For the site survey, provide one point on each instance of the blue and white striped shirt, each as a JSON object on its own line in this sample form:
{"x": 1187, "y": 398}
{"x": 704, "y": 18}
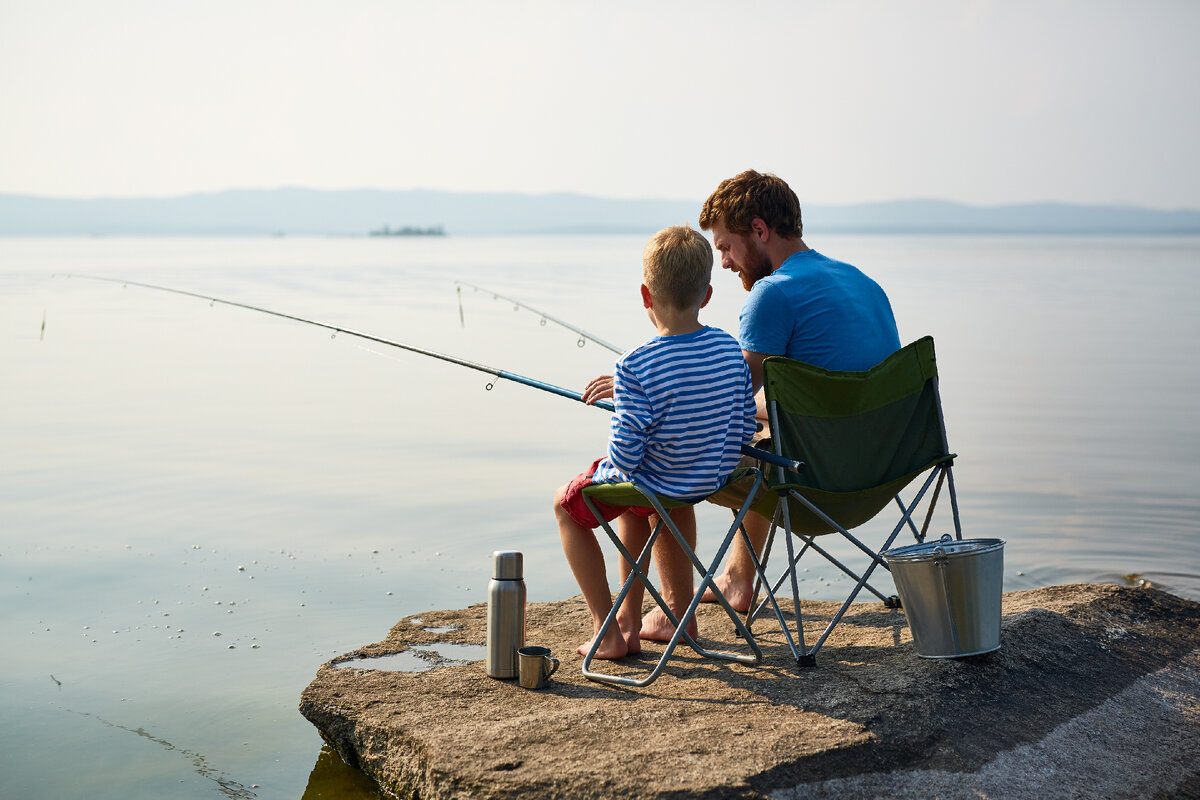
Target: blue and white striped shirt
{"x": 684, "y": 408}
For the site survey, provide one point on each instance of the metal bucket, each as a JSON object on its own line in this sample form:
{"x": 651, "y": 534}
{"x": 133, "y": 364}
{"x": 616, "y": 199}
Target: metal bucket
{"x": 950, "y": 591}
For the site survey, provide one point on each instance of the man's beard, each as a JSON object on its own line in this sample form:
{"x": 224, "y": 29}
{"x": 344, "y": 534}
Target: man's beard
{"x": 757, "y": 266}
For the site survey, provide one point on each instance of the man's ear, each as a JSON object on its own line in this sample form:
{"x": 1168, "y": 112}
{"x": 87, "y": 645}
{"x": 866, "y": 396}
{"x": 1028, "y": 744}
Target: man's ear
{"x": 646, "y": 295}
{"x": 760, "y": 229}
{"x": 707, "y": 296}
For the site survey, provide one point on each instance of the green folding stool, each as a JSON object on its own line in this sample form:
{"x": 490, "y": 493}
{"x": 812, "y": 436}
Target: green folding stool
{"x": 630, "y": 494}
{"x": 862, "y": 437}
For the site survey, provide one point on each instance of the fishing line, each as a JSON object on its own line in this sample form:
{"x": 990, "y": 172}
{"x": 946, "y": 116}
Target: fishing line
{"x": 584, "y": 336}
{"x": 499, "y": 374}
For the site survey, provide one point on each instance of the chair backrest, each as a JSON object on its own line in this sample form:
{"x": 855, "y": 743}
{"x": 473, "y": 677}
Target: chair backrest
{"x": 856, "y": 431}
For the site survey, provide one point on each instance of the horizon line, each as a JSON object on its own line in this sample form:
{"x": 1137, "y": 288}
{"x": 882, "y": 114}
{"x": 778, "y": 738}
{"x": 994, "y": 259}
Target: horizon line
{"x": 580, "y": 194}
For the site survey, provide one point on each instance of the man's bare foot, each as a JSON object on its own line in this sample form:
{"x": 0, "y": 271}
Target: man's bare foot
{"x": 739, "y": 593}
{"x": 611, "y": 648}
{"x": 657, "y": 628}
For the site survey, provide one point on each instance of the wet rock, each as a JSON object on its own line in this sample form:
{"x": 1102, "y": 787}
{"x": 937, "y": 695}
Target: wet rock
{"x": 1092, "y": 694}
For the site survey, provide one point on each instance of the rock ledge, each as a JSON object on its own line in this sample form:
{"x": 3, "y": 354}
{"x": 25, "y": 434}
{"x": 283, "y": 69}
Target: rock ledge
{"x": 1092, "y": 694}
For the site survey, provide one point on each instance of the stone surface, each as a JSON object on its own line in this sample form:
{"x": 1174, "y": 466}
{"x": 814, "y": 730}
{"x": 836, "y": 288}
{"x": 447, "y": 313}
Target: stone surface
{"x": 1092, "y": 694}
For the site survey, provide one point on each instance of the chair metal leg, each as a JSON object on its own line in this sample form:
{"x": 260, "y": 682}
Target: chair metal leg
{"x": 807, "y": 657}
{"x": 941, "y": 470}
{"x": 953, "y": 501}
{"x": 796, "y": 645}
{"x": 761, "y": 580}
{"x": 874, "y": 563}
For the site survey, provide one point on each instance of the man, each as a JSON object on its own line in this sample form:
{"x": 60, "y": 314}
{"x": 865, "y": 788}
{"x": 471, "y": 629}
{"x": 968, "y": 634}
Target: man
{"x": 802, "y": 305}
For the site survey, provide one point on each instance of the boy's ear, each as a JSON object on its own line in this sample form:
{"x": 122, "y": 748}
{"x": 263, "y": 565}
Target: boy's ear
{"x": 646, "y": 295}
{"x": 707, "y": 296}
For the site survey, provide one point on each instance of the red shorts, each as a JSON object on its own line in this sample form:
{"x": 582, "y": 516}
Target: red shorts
{"x": 572, "y": 502}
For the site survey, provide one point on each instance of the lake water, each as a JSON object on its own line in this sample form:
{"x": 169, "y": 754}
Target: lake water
{"x": 200, "y": 504}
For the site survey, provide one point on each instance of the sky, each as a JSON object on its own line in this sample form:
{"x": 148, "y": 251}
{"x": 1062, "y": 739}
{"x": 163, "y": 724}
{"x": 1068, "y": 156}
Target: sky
{"x": 980, "y": 102}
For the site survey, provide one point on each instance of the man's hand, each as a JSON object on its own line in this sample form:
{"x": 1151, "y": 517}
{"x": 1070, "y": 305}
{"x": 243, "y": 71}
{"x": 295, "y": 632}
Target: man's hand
{"x": 600, "y": 388}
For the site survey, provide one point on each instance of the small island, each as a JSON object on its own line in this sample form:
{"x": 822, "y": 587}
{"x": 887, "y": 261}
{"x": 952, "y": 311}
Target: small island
{"x": 409, "y": 230}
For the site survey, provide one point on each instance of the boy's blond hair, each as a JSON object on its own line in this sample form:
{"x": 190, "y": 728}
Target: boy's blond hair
{"x": 677, "y": 266}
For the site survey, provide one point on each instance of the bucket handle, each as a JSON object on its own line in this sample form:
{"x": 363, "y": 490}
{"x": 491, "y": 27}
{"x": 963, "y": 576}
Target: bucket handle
{"x": 941, "y": 561}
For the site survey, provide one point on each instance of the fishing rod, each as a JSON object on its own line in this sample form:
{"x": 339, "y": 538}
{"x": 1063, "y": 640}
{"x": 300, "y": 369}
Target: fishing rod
{"x": 747, "y": 449}
{"x": 584, "y": 336}
{"x": 499, "y": 374}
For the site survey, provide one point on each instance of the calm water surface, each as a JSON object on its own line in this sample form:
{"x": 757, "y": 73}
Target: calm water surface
{"x": 199, "y": 505}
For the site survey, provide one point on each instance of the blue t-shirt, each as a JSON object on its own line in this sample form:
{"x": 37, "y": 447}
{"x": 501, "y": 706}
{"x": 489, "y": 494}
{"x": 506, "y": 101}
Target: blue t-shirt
{"x": 684, "y": 408}
{"x": 819, "y": 311}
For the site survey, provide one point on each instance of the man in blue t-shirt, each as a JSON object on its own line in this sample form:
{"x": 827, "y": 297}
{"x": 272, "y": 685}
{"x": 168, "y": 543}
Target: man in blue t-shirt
{"x": 802, "y": 305}
{"x": 819, "y": 311}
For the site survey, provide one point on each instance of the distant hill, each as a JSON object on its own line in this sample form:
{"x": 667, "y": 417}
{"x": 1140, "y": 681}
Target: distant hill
{"x": 255, "y": 212}
{"x": 940, "y": 216}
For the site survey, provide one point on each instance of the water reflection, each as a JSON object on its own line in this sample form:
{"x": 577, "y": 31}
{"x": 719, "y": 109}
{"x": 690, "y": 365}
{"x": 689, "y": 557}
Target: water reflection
{"x": 333, "y": 779}
{"x": 226, "y": 786}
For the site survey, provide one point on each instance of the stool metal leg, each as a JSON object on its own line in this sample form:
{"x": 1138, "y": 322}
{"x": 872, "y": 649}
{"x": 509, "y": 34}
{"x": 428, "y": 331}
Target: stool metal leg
{"x": 638, "y": 571}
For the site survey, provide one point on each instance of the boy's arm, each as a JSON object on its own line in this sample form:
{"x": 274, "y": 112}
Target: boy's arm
{"x": 627, "y": 437}
{"x": 750, "y": 406}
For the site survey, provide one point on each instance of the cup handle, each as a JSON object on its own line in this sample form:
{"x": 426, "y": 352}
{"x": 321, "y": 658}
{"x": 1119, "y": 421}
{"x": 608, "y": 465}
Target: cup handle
{"x": 552, "y": 669}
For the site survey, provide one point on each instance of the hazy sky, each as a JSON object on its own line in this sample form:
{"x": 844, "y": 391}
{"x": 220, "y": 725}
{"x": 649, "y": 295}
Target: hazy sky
{"x": 977, "y": 101}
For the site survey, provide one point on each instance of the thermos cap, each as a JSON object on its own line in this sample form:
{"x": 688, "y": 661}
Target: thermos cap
{"x": 506, "y": 565}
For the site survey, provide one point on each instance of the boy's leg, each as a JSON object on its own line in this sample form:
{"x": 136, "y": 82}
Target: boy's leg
{"x": 634, "y": 532}
{"x": 587, "y": 565}
{"x": 676, "y": 573}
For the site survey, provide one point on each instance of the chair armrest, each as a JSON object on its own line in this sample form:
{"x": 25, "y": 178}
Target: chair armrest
{"x": 772, "y": 458}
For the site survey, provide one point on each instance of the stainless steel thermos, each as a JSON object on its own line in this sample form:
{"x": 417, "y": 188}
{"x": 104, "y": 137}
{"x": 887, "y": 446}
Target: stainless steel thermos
{"x": 506, "y": 614}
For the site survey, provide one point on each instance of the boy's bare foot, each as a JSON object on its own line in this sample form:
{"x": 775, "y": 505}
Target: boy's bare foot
{"x": 630, "y": 625}
{"x": 657, "y": 628}
{"x": 611, "y": 648}
{"x": 739, "y": 593}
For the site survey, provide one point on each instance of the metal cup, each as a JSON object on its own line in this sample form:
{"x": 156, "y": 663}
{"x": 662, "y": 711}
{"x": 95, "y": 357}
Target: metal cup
{"x": 535, "y": 666}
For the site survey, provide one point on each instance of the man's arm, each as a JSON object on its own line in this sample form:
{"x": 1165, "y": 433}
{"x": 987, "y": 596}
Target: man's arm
{"x": 755, "y": 362}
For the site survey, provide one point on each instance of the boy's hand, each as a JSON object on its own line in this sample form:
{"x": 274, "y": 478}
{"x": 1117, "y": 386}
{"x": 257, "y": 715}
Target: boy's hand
{"x": 600, "y": 388}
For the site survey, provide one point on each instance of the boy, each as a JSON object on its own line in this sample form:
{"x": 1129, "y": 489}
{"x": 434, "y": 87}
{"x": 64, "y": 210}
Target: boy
{"x": 684, "y": 407}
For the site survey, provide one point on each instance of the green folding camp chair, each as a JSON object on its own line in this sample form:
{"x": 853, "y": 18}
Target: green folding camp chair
{"x": 862, "y": 437}
{"x": 630, "y": 494}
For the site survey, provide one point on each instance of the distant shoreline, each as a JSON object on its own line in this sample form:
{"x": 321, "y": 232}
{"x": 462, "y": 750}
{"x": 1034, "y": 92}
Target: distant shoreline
{"x": 809, "y": 233}
{"x": 306, "y": 212}
{"x": 408, "y": 230}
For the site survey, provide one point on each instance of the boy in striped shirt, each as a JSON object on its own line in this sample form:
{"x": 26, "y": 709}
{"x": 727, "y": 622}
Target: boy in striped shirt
{"x": 684, "y": 406}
